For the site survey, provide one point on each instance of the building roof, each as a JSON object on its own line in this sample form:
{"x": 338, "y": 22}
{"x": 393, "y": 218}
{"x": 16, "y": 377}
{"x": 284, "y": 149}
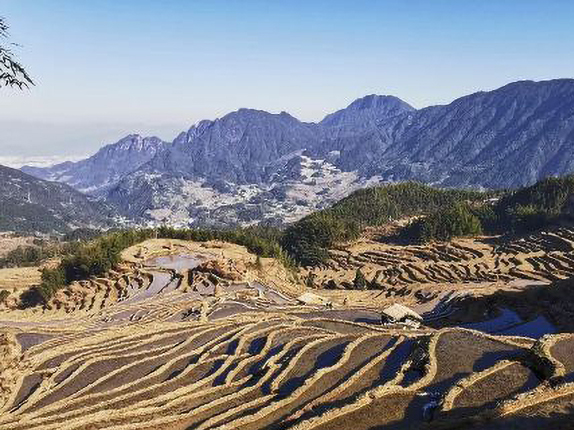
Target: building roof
{"x": 397, "y": 312}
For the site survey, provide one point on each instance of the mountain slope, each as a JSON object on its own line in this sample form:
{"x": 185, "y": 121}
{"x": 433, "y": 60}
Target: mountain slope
{"x": 509, "y": 137}
{"x": 241, "y": 147}
{"x": 249, "y": 166}
{"x": 104, "y": 169}
{"x": 28, "y": 204}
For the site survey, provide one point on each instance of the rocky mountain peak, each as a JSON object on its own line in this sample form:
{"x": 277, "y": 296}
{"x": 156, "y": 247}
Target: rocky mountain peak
{"x": 107, "y": 166}
{"x": 134, "y": 142}
{"x": 368, "y": 109}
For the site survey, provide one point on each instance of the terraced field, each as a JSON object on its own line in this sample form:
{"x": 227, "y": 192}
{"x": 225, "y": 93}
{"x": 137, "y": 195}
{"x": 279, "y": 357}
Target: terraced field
{"x": 264, "y": 372}
{"x": 543, "y": 257}
{"x": 197, "y": 340}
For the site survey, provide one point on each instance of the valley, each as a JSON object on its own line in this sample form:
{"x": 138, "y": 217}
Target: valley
{"x": 401, "y": 305}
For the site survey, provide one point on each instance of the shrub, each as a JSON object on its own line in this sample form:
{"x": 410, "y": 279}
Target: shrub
{"x": 360, "y": 282}
{"x": 52, "y": 281}
{"x": 258, "y": 264}
{"x": 32, "y": 297}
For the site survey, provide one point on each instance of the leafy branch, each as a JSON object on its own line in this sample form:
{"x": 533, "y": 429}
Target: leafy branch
{"x": 12, "y": 73}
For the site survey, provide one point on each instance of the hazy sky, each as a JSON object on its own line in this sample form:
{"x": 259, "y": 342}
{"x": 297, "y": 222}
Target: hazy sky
{"x": 105, "y": 68}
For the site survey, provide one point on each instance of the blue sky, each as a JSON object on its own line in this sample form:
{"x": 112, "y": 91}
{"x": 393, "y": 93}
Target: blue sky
{"x": 106, "y": 68}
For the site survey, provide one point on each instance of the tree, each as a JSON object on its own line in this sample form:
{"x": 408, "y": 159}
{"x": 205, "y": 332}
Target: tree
{"x": 310, "y": 280}
{"x": 12, "y": 73}
{"x": 52, "y": 280}
{"x": 443, "y": 225}
{"x": 360, "y": 282}
{"x": 3, "y": 295}
{"x": 258, "y": 264}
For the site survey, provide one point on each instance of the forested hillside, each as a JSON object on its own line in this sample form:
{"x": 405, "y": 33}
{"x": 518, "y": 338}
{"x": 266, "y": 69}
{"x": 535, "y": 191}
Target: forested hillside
{"x": 443, "y": 214}
{"x": 28, "y": 204}
{"x": 309, "y": 239}
{"x": 438, "y": 215}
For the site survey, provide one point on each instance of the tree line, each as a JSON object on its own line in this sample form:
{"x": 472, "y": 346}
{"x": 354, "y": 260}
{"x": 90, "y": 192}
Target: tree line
{"x": 549, "y": 201}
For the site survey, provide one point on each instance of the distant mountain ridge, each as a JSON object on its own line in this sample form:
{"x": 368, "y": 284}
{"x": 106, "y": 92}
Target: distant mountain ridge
{"x": 251, "y": 165}
{"x": 29, "y": 204}
{"x": 104, "y": 169}
{"x": 239, "y": 147}
{"x": 505, "y": 138}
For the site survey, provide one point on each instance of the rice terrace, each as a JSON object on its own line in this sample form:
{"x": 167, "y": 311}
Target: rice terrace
{"x": 186, "y": 335}
{"x": 286, "y": 215}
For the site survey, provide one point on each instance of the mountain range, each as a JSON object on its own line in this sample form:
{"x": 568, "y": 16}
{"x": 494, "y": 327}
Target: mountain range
{"x": 251, "y": 166}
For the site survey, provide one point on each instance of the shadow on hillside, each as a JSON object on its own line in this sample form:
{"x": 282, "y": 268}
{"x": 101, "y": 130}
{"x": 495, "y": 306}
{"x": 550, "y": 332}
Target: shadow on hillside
{"x": 31, "y": 298}
{"x": 467, "y": 419}
{"x": 555, "y": 302}
{"x": 478, "y": 418}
